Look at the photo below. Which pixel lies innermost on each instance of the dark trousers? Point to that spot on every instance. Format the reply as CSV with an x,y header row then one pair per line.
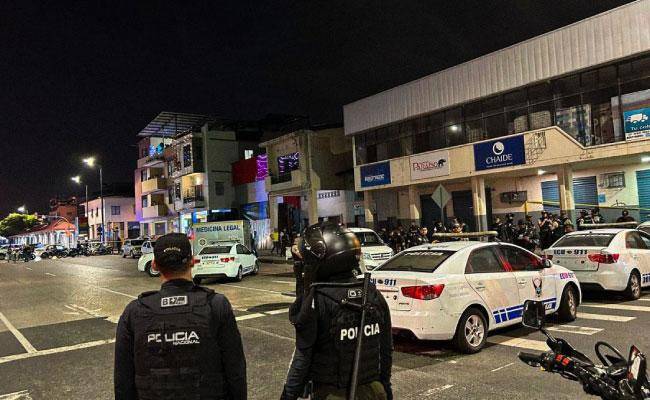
x,y
276,246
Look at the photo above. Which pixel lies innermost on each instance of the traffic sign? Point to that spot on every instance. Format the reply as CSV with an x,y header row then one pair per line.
x,y
441,196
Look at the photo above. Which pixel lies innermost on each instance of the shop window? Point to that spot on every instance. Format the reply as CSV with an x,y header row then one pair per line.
x,y
575,119
515,99
455,135
437,120
607,76
492,105
517,120
495,126
159,228
360,154
248,154
371,154
474,130
421,142
635,69
600,103
453,117
382,151
540,93
472,110
540,115
567,85
437,139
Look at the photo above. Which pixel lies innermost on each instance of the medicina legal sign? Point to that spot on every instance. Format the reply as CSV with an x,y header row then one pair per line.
x,y
499,153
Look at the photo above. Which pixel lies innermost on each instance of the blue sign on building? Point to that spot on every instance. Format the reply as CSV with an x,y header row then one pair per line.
x,y
500,153
375,174
637,123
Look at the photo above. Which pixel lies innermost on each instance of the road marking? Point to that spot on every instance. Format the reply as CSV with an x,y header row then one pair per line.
x,y
19,336
30,270
47,273
248,316
275,312
580,330
55,350
287,282
262,331
502,367
618,307
113,291
255,289
22,395
518,342
92,313
605,317
437,390
645,299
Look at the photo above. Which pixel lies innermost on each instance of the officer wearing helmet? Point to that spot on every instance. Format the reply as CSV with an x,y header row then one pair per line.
x,y
180,342
326,317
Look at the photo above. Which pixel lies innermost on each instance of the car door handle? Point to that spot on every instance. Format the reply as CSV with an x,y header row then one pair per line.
x,y
479,286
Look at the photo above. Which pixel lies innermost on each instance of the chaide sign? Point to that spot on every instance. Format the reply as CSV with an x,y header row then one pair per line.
x,y
500,153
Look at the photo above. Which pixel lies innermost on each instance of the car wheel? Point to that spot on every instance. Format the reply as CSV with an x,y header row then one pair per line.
x,y
149,270
568,310
471,332
45,255
196,280
633,290
240,274
132,255
256,268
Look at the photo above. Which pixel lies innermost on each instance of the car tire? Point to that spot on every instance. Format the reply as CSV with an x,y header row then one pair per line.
x,y
45,256
240,274
568,310
256,268
132,255
149,270
471,332
633,290
196,280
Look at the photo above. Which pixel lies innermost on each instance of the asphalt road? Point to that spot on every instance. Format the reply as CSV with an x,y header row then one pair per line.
x,y
57,326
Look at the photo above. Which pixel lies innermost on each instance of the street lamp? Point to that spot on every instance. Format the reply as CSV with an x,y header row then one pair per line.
x,y
90,162
22,209
77,180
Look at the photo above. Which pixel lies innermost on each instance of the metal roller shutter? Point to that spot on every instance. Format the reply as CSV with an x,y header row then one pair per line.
x,y
430,211
464,207
643,185
585,193
550,192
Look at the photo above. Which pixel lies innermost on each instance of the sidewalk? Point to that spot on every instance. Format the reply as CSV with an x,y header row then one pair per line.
x,y
266,257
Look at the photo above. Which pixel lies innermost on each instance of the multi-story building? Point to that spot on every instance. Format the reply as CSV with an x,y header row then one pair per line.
x,y
119,218
561,120
310,178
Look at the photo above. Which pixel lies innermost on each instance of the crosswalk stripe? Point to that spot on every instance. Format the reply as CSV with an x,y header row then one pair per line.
x,y
625,307
22,395
605,317
580,330
249,316
539,345
645,299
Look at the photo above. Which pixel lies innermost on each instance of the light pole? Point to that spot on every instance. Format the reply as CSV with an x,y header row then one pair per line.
x,y
22,209
90,161
77,180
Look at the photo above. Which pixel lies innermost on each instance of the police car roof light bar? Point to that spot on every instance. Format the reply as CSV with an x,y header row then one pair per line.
x,y
622,225
467,234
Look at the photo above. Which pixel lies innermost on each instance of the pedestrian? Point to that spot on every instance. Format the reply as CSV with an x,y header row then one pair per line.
x,y
275,239
625,217
509,228
524,236
254,242
545,225
583,219
326,323
180,342
383,234
596,217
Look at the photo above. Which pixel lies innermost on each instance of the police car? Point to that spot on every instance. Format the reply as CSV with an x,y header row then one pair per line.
x,y
144,264
606,259
224,260
462,290
373,250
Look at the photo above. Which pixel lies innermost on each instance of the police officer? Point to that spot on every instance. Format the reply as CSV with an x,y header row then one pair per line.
x,y
327,323
583,219
625,217
181,342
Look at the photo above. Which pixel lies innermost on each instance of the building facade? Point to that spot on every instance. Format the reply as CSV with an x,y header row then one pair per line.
x,y
558,122
120,220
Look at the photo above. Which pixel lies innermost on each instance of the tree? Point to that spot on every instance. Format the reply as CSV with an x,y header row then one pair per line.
x,y
16,223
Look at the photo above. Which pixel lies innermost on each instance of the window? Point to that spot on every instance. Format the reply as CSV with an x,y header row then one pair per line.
x,y
646,240
215,250
483,261
416,261
219,188
613,180
145,202
241,250
177,190
187,155
584,240
143,175
115,210
520,260
633,241
248,154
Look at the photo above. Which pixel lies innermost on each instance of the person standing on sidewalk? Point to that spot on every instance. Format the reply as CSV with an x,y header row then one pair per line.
x,y
275,238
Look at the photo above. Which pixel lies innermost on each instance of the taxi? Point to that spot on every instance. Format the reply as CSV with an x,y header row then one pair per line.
x,y
462,290
224,260
614,259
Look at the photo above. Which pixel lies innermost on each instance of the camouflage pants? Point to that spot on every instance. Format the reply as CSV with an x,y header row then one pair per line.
x,y
370,391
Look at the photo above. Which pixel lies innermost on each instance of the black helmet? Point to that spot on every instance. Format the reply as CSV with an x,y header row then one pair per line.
x,y
626,213
329,249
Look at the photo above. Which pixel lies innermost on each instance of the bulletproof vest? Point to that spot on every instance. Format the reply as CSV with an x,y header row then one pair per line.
x,y
176,354
333,355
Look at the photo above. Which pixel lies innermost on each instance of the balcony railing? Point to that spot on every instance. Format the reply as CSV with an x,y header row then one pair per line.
x,y
193,199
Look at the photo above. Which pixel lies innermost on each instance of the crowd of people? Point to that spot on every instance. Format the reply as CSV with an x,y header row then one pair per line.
x,y
400,238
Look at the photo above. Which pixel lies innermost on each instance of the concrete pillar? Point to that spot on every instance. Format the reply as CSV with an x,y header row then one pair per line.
x,y
409,206
312,212
565,188
414,206
368,206
273,211
478,201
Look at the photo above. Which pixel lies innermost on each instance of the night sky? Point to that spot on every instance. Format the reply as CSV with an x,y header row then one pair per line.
x,y
83,77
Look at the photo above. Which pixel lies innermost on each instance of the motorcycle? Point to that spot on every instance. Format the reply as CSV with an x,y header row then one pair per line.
x,y
617,378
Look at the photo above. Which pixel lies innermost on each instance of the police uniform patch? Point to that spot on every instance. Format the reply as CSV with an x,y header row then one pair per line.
x,y
355,293
173,301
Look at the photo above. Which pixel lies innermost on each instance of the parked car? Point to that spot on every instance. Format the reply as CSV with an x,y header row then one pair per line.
x,y
132,248
51,251
374,251
224,260
147,246
144,265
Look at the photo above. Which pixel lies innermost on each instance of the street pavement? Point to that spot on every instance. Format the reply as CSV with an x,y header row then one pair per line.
x,y
58,319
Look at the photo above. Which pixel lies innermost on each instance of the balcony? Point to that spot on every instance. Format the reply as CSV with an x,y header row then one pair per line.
x,y
153,185
151,160
155,211
284,182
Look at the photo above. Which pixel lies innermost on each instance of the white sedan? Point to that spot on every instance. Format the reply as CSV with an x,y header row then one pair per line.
x,y
606,259
144,264
225,260
461,290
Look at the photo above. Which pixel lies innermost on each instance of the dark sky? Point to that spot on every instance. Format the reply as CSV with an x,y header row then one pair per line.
x,y
83,77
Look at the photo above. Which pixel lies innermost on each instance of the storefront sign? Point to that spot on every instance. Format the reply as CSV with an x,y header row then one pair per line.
x,y
375,174
637,123
328,194
499,153
429,165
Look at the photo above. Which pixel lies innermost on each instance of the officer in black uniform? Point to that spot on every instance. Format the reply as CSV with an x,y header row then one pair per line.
x,y
181,342
327,322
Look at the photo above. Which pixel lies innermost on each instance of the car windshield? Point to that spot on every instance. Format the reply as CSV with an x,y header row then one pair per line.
x,y
215,250
416,261
369,239
137,242
586,240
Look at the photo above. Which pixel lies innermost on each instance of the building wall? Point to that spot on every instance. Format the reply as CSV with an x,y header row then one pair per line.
x,y
220,151
127,214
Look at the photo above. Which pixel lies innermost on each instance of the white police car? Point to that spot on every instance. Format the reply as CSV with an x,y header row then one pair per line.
x,y
224,260
373,250
144,264
461,290
606,259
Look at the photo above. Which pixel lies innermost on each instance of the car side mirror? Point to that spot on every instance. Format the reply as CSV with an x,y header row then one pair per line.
x,y
546,263
534,314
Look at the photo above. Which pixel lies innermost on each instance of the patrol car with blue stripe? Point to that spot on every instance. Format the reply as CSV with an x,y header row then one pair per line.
x,y
461,290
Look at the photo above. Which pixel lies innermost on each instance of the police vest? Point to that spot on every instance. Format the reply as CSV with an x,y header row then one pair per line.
x,y
334,351
176,354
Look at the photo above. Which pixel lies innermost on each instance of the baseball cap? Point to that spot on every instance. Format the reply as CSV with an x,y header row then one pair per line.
x,y
172,250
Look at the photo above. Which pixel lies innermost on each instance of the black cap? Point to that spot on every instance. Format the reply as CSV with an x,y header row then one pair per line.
x,y
172,249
